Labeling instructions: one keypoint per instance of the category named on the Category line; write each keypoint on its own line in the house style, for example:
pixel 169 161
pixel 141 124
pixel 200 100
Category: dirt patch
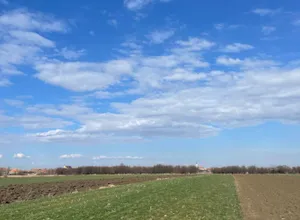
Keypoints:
pixel 20 192
pixel 269 197
pixel 162 178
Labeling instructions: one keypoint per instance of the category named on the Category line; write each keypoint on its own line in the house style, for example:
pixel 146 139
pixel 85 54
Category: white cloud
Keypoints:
pixel 248 63
pixel 135 5
pixel 261 90
pixel 145 72
pixel 223 26
pixel 4 82
pixel 117 158
pixel 20 156
pixel 64 136
pixel 21 42
pixel 80 76
pixel 41 122
pixel 178 96
pixel 25 20
pixel 194 44
pixel 183 75
pixel 1 156
pixel 107 95
pixel 113 22
pixel 14 102
pixel 16 54
pixel 159 36
pixel 63 110
pixel 32 122
pixel 71 54
pixel 70 156
pixel 219 26
pixel 265 11
pixel 236 47
pixel 266 30
pixel 30 38
pixel 141 73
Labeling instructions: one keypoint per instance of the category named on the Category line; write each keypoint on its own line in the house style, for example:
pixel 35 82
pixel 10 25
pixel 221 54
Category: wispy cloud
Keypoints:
pixel 248 63
pixel 30 38
pixel 136 5
pixel 113 22
pixel 70 54
pixel 20 156
pixel 4 82
pixel 22 42
pixel 95 75
pixel 184 75
pixel 236 47
pixel 266 30
pixel 194 44
pixel 117 158
pixel 159 36
pixel 219 26
pixel 266 11
pixel 1 156
pixel 223 26
pixel 25 20
pixel 14 102
pixel 70 156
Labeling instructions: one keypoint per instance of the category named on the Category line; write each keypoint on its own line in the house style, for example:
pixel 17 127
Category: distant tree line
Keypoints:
pixel 123 169
pixel 256 170
pixel 160 169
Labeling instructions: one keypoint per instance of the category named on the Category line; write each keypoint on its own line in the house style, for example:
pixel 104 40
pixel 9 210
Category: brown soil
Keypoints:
pixel 269 197
pixel 19 192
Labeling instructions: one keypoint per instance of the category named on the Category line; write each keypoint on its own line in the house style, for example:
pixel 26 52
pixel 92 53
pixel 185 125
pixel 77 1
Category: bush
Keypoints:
pixel 123 169
pixel 255 170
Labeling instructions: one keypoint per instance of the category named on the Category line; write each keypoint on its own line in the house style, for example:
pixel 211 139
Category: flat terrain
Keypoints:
pixel 200 197
pixel 20 192
pixel 269 197
pixel 48 179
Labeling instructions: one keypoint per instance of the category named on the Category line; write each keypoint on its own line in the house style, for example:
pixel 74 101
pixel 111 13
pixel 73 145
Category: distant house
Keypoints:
pixel 202 169
pixel 39 171
pixel 14 171
pixel 67 167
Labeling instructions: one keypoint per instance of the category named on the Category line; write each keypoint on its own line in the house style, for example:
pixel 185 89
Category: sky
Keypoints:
pixel 143 82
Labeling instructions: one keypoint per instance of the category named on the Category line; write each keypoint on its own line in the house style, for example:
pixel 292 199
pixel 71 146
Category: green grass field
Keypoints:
pixel 202 197
pixel 43 179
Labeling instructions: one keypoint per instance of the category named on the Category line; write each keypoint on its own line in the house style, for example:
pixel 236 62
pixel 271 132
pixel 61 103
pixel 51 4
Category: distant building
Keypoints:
pixel 67 167
pixel 14 171
pixel 39 171
pixel 202 169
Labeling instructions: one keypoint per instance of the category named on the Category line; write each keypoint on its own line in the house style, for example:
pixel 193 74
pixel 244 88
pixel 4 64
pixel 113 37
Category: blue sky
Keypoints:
pixel 149 81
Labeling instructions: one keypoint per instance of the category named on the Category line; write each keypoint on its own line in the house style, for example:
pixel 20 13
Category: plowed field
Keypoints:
pixel 269 197
pixel 20 192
